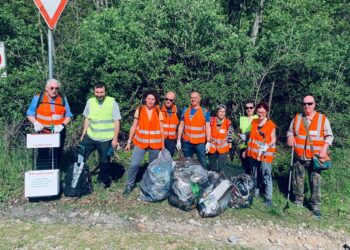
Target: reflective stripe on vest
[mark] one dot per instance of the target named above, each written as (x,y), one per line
(256,140)
(48,117)
(101,124)
(194,130)
(170,122)
(219,136)
(148,133)
(316,132)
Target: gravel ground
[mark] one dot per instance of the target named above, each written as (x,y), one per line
(253,233)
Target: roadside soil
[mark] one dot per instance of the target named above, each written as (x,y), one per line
(222,231)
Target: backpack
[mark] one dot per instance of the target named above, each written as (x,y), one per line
(77,181)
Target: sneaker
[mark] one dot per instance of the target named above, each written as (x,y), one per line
(128,189)
(317,213)
(268,202)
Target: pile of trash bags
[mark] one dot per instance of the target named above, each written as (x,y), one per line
(187,185)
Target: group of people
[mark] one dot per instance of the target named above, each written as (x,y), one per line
(191,130)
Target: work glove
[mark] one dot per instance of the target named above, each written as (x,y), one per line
(38,126)
(264,147)
(178,145)
(58,128)
(207,147)
(243,137)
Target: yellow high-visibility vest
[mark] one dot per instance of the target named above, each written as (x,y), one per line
(101,124)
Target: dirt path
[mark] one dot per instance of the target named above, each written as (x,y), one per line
(255,234)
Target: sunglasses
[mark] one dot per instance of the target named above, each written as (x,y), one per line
(307,103)
(249,107)
(170,100)
(54,88)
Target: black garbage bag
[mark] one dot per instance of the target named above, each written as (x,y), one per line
(242,191)
(77,180)
(216,195)
(187,180)
(155,183)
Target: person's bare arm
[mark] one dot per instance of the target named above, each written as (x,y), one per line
(116,133)
(132,133)
(85,128)
(180,130)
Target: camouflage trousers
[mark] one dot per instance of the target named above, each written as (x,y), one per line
(298,182)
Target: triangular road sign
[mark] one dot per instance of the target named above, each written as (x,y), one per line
(51,10)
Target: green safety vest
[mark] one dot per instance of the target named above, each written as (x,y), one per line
(101,124)
(245,126)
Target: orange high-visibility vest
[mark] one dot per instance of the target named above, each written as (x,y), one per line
(316,132)
(148,133)
(48,117)
(170,122)
(219,137)
(194,131)
(257,138)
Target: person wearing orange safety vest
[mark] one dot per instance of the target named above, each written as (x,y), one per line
(146,133)
(170,122)
(261,150)
(321,135)
(194,130)
(49,112)
(221,138)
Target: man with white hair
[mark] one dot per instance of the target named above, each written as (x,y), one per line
(309,134)
(49,112)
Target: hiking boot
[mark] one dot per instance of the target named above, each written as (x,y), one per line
(317,213)
(128,189)
(268,202)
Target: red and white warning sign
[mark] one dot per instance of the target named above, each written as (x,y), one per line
(2,58)
(51,10)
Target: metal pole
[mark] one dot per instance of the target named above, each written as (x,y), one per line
(50,43)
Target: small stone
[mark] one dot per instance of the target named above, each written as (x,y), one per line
(240,228)
(307,246)
(194,223)
(303,224)
(233,240)
(96,214)
(141,226)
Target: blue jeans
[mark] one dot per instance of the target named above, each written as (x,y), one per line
(261,172)
(137,156)
(199,149)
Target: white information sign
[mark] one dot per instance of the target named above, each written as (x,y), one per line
(43,140)
(41,183)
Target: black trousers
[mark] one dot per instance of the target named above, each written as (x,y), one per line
(102,149)
(170,145)
(245,162)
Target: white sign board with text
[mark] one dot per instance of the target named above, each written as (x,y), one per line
(41,183)
(43,140)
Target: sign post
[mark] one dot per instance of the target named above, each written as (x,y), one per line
(2,58)
(51,11)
